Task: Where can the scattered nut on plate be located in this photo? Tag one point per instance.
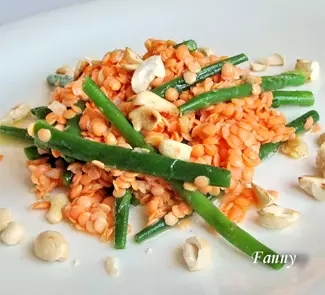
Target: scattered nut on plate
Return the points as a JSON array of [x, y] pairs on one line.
[[112, 267], [13, 234], [276, 217], [314, 186], [51, 246], [16, 114], [5, 218], [310, 69], [263, 196], [273, 60], [296, 149], [197, 253], [320, 159], [257, 67]]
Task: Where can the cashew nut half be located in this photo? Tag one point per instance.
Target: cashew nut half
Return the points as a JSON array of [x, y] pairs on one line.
[[5, 218], [314, 186], [51, 246], [273, 60], [263, 196], [58, 202], [196, 253], [144, 117], [131, 59], [174, 149], [17, 113], [154, 101], [276, 217], [146, 72], [13, 234], [111, 266], [310, 69]]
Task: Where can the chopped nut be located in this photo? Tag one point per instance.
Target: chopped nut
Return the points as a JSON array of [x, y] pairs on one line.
[[263, 196], [273, 60], [146, 72], [205, 51], [197, 253], [314, 186], [131, 59], [257, 67], [189, 77], [58, 202], [310, 69], [296, 148], [17, 113], [276, 217], [320, 159], [155, 102], [111, 266], [144, 117], [51, 246], [174, 149], [321, 139]]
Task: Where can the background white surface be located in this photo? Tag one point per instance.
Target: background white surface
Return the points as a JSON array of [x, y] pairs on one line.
[[32, 48], [11, 10]]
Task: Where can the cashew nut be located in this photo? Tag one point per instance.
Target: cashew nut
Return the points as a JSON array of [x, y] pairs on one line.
[[131, 59], [273, 60], [5, 218], [144, 117], [321, 139], [146, 72], [17, 113], [154, 101], [64, 70], [174, 149], [310, 69], [189, 77], [13, 234], [263, 196], [320, 159], [57, 108], [111, 266], [276, 217], [257, 67], [58, 202], [314, 186], [205, 51], [81, 65], [296, 148], [51, 246], [196, 253]]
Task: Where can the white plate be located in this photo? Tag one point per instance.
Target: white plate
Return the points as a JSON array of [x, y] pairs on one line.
[[32, 48]]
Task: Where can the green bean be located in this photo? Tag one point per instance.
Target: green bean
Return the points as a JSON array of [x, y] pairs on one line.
[[269, 149], [67, 178], [59, 80], [297, 98], [180, 85], [269, 83], [191, 45], [122, 208], [19, 133], [40, 112], [112, 113], [32, 153], [134, 201], [126, 159]]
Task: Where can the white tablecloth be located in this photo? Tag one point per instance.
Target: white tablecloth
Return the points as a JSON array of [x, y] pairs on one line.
[[11, 10]]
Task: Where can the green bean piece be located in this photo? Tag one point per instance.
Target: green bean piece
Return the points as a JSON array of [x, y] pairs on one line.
[[191, 45], [296, 98], [113, 114], [59, 80], [269, 149], [40, 112], [122, 208], [67, 178], [32, 153], [134, 201], [128, 160], [180, 85], [15, 132]]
